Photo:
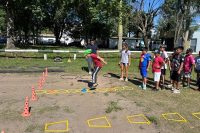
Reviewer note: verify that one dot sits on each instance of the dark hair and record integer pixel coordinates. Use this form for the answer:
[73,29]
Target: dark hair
[180,47]
[189,50]
[163,46]
[126,45]
[145,49]
[93,39]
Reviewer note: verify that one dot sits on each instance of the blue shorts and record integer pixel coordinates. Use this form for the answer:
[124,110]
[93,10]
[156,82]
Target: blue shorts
[143,72]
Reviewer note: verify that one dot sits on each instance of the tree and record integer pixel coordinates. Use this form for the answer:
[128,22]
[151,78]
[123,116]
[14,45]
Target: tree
[177,18]
[7,6]
[99,18]
[143,15]
[2,21]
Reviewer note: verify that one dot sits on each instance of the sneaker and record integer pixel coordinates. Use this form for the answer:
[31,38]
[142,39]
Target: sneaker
[95,85]
[126,79]
[90,73]
[144,88]
[121,79]
[173,89]
[156,90]
[176,91]
[163,87]
[140,86]
[169,86]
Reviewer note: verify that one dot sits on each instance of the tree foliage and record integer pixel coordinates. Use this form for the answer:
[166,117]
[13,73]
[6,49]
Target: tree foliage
[177,19]
[89,18]
[143,16]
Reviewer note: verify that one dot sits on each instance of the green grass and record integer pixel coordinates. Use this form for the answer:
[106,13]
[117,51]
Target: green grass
[32,128]
[34,61]
[67,109]
[113,106]
[153,119]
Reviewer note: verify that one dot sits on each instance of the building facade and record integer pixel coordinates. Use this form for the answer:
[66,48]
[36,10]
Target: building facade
[195,41]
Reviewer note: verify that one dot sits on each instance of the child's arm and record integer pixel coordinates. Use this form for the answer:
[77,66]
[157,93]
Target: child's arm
[101,59]
[181,68]
[149,64]
[169,64]
[193,64]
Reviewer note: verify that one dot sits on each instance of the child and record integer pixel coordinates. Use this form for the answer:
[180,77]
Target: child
[144,64]
[197,69]
[170,86]
[157,64]
[125,61]
[94,49]
[165,57]
[177,66]
[189,62]
[97,65]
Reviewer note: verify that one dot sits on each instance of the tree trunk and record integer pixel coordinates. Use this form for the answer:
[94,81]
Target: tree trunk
[179,22]
[10,27]
[57,34]
[186,43]
[120,27]
[146,43]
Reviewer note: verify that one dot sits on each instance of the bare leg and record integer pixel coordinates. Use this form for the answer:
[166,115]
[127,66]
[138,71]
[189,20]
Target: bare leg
[126,69]
[173,84]
[188,81]
[122,71]
[178,85]
[145,81]
[157,85]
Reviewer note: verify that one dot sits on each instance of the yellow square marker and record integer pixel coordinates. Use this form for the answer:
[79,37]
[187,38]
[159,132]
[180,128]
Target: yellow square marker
[138,122]
[51,92]
[54,123]
[197,115]
[62,91]
[74,91]
[40,91]
[104,90]
[182,119]
[108,125]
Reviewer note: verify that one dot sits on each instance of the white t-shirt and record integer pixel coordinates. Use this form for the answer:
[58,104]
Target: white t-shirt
[124,56]
[164,56]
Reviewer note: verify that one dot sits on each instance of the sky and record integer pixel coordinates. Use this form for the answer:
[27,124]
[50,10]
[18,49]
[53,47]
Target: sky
[157,3]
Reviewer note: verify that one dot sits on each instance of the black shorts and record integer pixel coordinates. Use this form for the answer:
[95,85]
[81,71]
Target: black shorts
[175,76]
[163,71]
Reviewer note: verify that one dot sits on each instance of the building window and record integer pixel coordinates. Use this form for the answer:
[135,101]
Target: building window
[193,44]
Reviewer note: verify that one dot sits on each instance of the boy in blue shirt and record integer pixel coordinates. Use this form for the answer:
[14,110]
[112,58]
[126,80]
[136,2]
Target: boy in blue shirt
[145,60]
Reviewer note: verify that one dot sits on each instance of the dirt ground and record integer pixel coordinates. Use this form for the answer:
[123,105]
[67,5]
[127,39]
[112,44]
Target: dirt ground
[78,108]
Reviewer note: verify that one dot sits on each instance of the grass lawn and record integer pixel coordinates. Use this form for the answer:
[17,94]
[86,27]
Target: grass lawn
[29,61]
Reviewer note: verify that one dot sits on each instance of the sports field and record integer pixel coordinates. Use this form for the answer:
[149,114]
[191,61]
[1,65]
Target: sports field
[114,107]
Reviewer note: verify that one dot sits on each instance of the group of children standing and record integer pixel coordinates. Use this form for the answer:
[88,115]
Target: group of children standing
[180,66]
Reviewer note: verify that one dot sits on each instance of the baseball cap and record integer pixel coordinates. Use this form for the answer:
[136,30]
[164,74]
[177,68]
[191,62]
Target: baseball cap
[163,46]
[189,50]
[88,51]
[156,51]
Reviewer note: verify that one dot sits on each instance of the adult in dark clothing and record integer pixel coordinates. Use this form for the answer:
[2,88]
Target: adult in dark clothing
[94,49]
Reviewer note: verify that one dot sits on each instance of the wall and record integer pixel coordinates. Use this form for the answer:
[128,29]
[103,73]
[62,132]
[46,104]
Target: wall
[197,36]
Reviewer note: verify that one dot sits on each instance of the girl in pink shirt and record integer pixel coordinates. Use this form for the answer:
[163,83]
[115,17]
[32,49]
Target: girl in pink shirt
[189,63]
